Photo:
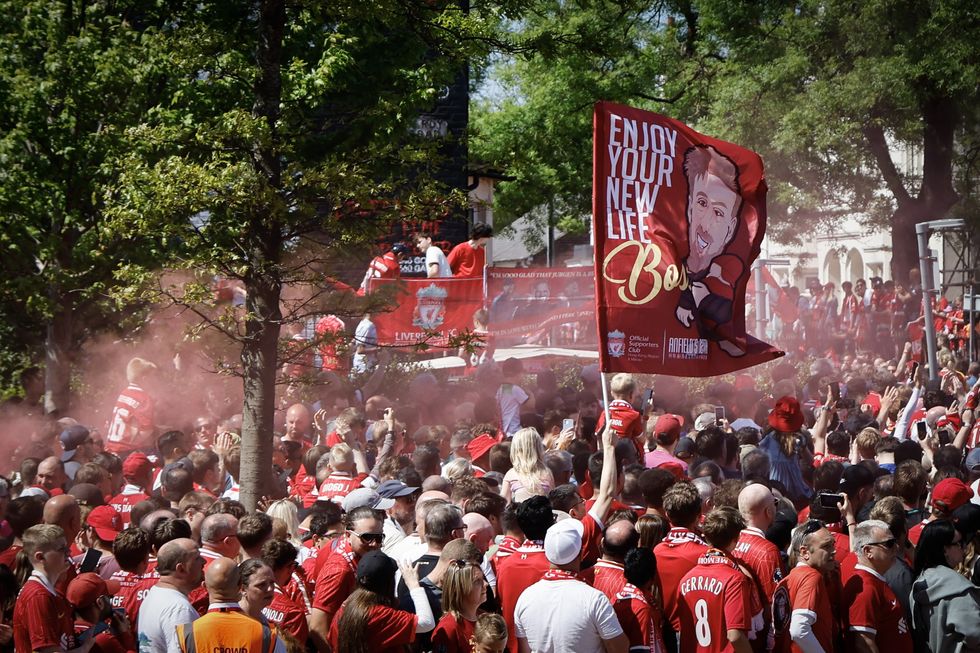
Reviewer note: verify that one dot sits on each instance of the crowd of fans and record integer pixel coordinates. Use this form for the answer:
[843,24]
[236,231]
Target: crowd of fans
[818,506]
[868,315]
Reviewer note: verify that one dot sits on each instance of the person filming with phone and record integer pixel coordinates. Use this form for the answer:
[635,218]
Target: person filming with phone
[90,595]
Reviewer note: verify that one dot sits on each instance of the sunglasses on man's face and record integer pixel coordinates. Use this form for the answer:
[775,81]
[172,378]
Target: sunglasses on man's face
[370,538]
[885,544]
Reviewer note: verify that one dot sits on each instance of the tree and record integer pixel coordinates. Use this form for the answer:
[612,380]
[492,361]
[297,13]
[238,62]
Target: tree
[820,89]
[73,77]
[287,142]
[534,119]
[827,92]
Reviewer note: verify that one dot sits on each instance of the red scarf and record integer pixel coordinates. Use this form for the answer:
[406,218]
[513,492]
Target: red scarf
[532,544]
[717,557]
[560,574]
[681,535]
[631,591]
[343,549]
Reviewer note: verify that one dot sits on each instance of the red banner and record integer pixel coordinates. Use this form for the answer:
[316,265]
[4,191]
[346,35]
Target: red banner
[430,311]
[528,304]
[678,218]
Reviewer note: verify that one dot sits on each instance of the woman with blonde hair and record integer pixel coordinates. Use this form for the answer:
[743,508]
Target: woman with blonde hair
[287,512]
[464,589]
[457,469]
[528,476]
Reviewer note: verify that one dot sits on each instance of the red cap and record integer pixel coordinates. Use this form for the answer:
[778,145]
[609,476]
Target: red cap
[85,588]
[667,429]
[136,465]
[786,415]
[675,469]
[480,445]
[106,522]
[949,494]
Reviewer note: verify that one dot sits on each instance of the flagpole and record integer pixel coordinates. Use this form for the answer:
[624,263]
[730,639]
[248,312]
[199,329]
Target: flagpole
[605,395]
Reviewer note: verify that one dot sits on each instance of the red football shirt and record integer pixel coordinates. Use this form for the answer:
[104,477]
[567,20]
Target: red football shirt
[132,413]
[874,610]
[591,534]
[608,578]
[8,555]
[385,266]
[467,261]
[626,422]
[42,617]
[676,555]
[803,590]
[336,580]
[713,598]
[125,500]
[298,589]
[287,615]
[127,583]
[639,618]
[304,487]
[504,550]
[338,485]
[388,630]
[515,574]
[762,557]
[916,532]
[452,635]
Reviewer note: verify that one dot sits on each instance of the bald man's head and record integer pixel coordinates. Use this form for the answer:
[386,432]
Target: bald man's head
[479,530]
[50,474]
[757,505]
[618,538]
[221,579]
[180,564]
[297,421]
[63,511]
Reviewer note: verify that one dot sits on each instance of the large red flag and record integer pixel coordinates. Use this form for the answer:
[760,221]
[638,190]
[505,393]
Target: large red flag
[678,219]
[430,311]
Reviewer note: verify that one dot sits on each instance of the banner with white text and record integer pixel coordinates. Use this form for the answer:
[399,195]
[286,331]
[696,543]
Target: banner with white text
[678,218]
[528,305]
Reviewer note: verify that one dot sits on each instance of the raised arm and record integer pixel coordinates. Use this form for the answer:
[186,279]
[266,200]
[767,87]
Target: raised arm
[819,432]
[607,484]
[903,420]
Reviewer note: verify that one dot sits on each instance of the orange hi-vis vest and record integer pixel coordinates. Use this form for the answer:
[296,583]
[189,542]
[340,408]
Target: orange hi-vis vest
[221,631]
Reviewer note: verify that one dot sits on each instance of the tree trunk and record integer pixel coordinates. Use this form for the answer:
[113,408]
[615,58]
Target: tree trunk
[259,362]
[905,247]
[263,284]
[57,348]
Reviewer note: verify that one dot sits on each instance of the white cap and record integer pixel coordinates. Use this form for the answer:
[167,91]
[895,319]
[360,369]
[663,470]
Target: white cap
[703,421]
[563,541]
[363,496]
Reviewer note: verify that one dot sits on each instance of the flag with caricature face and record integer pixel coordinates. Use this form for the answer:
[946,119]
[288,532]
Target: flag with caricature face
[678,219]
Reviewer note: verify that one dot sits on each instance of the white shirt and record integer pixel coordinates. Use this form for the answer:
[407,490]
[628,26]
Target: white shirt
[557,616]
[510,398]
[436,255]
[162,611]
[393,535]
[410,548]
[365,334]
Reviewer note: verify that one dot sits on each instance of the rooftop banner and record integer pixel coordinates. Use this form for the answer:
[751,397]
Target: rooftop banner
[527,304]
[429,311]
